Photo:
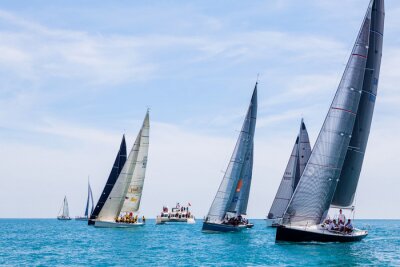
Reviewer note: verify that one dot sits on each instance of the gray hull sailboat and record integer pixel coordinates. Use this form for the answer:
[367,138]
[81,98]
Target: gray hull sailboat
[332,172]
[230,203]
[89,206]
[297,162]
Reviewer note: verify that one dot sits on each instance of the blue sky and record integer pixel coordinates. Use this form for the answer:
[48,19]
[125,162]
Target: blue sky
[76,75]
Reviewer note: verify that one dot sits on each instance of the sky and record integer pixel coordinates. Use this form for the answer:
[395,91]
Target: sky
[76,75]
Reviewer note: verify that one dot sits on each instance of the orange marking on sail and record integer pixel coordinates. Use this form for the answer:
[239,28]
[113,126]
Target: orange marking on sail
[239,186]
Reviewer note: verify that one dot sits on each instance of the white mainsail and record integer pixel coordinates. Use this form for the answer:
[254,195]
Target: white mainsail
[65,209]
[115,202]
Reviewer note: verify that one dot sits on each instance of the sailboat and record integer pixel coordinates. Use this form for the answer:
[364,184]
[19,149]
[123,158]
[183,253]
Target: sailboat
[297,162]
[230,203]
[89,203]
[332,172]
[64,216]
[124,199]
[112,178]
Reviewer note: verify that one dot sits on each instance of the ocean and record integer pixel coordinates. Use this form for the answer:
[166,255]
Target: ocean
[48,242]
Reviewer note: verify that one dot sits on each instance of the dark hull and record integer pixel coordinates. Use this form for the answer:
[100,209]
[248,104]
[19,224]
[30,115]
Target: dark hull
[216,227]
[296,235]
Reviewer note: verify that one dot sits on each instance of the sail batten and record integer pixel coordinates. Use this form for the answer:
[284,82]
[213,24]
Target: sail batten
[233,192]
[313,195]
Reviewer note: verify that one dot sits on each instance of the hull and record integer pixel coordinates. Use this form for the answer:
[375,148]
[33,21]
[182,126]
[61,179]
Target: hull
[63,218]
[81,219]
[104,224]
[218,227]
[163,220]
[317,235]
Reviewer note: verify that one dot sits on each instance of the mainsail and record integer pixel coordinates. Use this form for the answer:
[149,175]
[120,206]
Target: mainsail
[115,171]
[89,202]
[346,188]
[298,159]
[65,209]
[233,192]
[313,195]
[115,202]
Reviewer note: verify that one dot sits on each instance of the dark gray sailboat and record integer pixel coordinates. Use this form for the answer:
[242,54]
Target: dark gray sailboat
[230,203]
[333,170]
[297,162]
[112,178]
[89,206]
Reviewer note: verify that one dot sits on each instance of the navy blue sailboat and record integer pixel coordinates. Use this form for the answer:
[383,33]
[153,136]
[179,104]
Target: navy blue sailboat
[115,171]
[230,203]
[89,205]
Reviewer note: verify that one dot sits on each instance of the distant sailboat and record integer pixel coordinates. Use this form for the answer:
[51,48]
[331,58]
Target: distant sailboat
[297,162]
[89,203]
[230,202]
[332,172]
[64,211]
[112,178]
[124,199]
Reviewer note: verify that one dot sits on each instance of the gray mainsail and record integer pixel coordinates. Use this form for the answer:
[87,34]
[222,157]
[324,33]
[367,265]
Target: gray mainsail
[233,192]
[298,159]
[346,188]
[313,195]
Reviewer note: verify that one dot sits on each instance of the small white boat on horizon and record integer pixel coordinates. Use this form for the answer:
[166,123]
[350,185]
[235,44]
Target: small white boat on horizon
[65,211]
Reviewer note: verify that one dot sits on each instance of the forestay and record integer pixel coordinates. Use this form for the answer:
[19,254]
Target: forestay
[313,195]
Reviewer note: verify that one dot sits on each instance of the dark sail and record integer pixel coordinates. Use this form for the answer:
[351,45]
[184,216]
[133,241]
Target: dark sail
[115,171]
[346,188]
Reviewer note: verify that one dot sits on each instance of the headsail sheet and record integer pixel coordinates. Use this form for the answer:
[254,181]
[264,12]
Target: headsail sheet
[313,195]
[298,159]
[229,196]
[115,171]
[134,192]
[346,188]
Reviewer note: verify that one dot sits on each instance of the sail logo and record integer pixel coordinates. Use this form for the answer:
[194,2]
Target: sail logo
[134,189]
[133,199]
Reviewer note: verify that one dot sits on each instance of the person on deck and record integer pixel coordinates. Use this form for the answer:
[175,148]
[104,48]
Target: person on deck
[144,219]
[348,228]
[333,226]
[341,217]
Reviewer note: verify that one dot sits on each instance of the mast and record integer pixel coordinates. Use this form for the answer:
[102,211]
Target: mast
[313,195]
[114,204]
[233,192]
[298,159]
[119,162]
[346,188]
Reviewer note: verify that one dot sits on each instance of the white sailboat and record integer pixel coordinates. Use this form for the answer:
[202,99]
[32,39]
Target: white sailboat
[122,206]
[64,216]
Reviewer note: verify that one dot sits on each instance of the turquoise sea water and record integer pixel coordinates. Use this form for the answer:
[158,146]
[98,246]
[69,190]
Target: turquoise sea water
[50,242]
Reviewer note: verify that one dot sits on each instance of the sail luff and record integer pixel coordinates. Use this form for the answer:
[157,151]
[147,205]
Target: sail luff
[119,163]
[346,188]
[313,195]
[225,195]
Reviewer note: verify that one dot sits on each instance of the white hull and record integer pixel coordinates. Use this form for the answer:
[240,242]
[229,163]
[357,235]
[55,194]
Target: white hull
[81,219]
[104,224]
[62,218]
[163,220]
